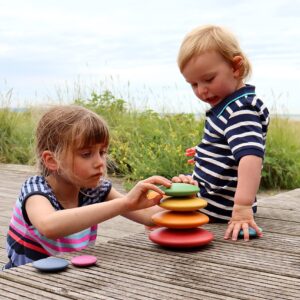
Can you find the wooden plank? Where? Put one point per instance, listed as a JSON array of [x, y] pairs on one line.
[[15, 290], [211, 277], [224, 253], [270, 241], [278, 214], [189, 269], [279, 226], [286, 201], [99, 282]]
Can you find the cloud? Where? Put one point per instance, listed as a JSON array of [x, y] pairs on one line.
[[45, 43]]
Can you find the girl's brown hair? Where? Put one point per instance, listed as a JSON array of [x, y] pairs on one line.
[[212, 38], [66, 127]]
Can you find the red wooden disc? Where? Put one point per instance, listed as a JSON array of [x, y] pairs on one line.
[[181, 238]]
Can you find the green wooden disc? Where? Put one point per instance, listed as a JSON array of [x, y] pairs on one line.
[[180, 189]]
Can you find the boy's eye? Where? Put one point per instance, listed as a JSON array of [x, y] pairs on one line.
[[210, 79]]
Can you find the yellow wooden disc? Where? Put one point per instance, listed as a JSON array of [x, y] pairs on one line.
[[183, 204], [175, 219]]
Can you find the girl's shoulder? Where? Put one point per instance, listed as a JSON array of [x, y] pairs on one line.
[[37, 185]]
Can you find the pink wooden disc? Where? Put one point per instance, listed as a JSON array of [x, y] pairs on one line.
[[84, 260], [181, 238]]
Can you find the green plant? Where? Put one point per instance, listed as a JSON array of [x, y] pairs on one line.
[[15, 136], [144, 143], [282, 162]]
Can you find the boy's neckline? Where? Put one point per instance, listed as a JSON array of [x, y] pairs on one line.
[[246, 90]]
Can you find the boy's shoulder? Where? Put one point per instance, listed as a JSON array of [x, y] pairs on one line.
[[247, 104], [242, 99]]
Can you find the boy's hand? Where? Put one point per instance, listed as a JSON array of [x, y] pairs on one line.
[[190, 152], [242, 218], [184, 179]]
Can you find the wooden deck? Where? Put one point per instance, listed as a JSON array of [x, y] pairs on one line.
[[131, 267]]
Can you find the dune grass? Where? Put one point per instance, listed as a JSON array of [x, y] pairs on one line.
[[144, 143]]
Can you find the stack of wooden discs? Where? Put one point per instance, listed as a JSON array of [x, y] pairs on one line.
[[179, 223]]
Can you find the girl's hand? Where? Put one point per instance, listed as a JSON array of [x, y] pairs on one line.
[[190, 152], [184, 179], [137, 198], [242, 218]]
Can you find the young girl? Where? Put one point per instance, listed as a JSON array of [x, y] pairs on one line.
[[229, 158], [58, 211]]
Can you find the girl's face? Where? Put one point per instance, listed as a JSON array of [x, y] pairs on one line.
[[212, 78], [84, 167]]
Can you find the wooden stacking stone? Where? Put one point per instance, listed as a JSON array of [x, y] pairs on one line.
[[182, 204], [181, 238], [180, 220], [175, 219]]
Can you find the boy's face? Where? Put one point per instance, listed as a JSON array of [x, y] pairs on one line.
[[212, 78]]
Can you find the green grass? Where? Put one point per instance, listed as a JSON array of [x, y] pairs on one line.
[[282, 161], [145, 143]]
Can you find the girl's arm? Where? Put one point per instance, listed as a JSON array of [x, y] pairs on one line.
[[249, 174], [54, 224], [142, 216]]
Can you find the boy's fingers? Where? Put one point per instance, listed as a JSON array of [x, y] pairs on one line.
[[191, 161]]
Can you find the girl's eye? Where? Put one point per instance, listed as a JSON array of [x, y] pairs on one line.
[[86, 154], [103, 152], [194, 85]]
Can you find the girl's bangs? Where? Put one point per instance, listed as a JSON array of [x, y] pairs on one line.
[[89, 133]]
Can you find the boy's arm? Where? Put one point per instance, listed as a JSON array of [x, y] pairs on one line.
[[249, 174]]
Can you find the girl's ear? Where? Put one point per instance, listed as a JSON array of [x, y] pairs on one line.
[[237, 64], [49, 161]]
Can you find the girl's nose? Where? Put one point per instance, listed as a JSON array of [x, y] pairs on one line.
[[99, 160]]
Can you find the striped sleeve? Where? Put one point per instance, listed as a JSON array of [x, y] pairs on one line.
[[244, 133]]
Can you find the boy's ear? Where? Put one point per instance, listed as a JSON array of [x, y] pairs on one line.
[[49, 160], [237, 64]]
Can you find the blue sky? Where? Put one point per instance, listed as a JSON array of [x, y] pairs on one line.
[[57, 50]]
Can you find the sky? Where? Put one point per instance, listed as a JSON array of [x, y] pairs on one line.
[[60, 50]]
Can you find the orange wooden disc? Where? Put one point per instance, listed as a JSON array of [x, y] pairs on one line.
[[183, 204], [174, 219]]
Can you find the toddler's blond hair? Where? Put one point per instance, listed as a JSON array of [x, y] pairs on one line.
[[212, 38]]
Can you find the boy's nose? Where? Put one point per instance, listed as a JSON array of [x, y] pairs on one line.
[[202, 90]]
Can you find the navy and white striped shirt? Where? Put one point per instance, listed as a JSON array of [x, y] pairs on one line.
[[234, 128]]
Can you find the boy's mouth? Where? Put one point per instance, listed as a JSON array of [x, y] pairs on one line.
[[212, 100]]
